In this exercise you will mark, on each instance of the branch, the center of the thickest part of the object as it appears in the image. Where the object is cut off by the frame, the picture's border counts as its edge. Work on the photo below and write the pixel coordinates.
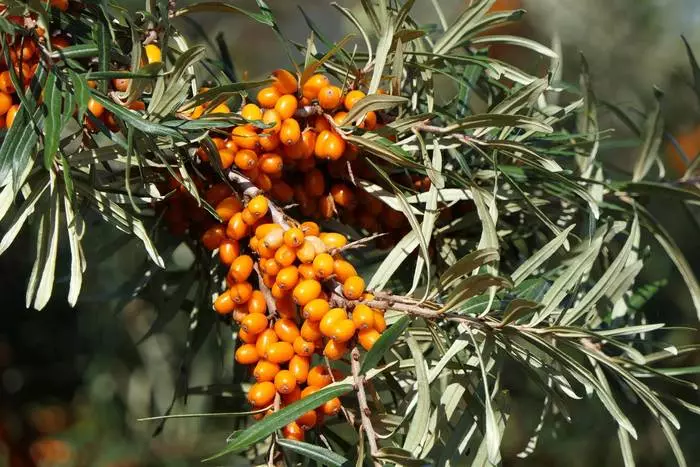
(359, 381)
(357, 243)
(269, 299)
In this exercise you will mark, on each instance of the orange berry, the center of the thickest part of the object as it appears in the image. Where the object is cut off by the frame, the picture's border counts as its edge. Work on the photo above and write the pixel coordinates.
(293, 237)
(241, 292)
(246, 354)
(239, 313)
(237, 229)
(305, 291)
(5, 103)
(245, 159)
(308, 390)
(292, 397)
(60, 4)
(308, 143)
(229, 251)
(343, 330)
(269, 142)
(310, 228)
(213, 236)
(285, 382)
(293, 431)
(286, 106)
(223, 304)
(153, 53)
(319, 376)
(270, 266)
(257, 303)
(254, 323)
(265, 370)
(282, 192)
(306, 252)
(343, 195)
(370, 121)
(241, 268)
(247, 337)
(353, 287)
(335, 350)
(248, 217)
(306, 271)
(314, 184)
(334, 146)
(227, 207)
(320, 124)
(379, 321)
(95, 108)
(338, 117)
(313, 85)
(343, 270)
(329, 97)
(290, 132)
(331, 407)
(258, 206)
(307, 420)
(323, 266)
(272, 236)
(285, 82)
(217, 193)
(303, 347)
(330, 319)
(367, 338)
(6, 85)
(251, 112)
(271, 163)
(299, 366)
(316, 309)
(363, 317)
(287, 278)
(326, 207)
(261, 394)
(245, 137)
(277, 292)
(267, 97)
(333, 240)
(226, 157)
(279, 352)
(352, 98)
(285, 255)
(272, 117)
(264, 340)
(11, 114)
(310, 331)
(286, 330)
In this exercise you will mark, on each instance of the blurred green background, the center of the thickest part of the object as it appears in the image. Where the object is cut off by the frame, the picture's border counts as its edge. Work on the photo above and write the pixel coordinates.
(73, 382)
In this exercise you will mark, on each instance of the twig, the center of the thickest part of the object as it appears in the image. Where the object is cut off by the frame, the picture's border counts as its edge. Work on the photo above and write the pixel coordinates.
(348, 415)
(362, 401)
(269, 299)
(271, 458)
(357, 243)
(308, 111)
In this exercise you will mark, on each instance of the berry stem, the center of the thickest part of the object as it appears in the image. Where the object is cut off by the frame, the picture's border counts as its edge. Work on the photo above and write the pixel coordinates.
(362, 401)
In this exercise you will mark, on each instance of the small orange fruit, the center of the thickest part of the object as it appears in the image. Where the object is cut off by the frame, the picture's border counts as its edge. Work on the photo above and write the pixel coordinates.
(261, 394)
(245, 159)
(343, 330)
(367, 338)
(286, 330)
(285, 382)
(254, 323)
(246, 354)
(379, 321)
(290, 132)
(241, 268)
(353, 287)
(319, 376)
(305, 291)
(307, 420)
(267, 97)
(213, 236)
(313, 85)
(286, 106)
(303, 347)
(363, 316)
(299, 366)
(333, 240)
(323, 266)
(329, 97)
(335, 350)
(293, 237)
(330, 319)
(257, 303)
(331, 407)
(352, 98)
(285, 82)
(310, 331)
(265, 339)
(293, 431)
(316, 309)
(245, 137)
(251, 112)
(246, 337)
(223, 304)
(279, 352)
(287, 278)
(227, 207)
(265, 371)
(258, 206)
(229, 251)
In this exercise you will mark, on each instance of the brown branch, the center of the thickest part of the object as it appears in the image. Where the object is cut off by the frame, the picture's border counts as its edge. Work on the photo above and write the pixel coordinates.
(271, 458)
(359, 381)
(269, 299)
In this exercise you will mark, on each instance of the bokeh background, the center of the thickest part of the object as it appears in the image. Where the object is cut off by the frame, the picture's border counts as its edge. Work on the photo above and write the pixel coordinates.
(74, 382)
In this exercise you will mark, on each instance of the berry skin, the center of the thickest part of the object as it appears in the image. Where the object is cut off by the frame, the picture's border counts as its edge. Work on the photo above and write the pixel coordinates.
(343, 195)
(286, 106)
(314, 184)
(316, 309)
(333, 240)
(241, 292)
(319, 376)
(285, 256)
(264, 340)
(153, 53)
(307, 420)
(363, 317)
(227, 207)
(254, 323)
(258, 206)
(352, 98)
(367, 338)
(257, 303)
(5, 103)
(245, 137)
(299, 366)
(306, 271)
(285, 382)
(245, 159)
(331, 407)
(335, 350)
(379, 321)
(268, 97)
(329, 97)
(323, 266)
(271, 163)
(223, 304)
(279, 352)
(271, 117)
(288, 278)
(229, 250)
(343, 270)
(290, 132)
(313, 85)
(330, 319)
(236, 229)
(251, 112)
(343, 330)
(247, 355)
(261, 394)
(353, 287)
(308, 390)
(241, 268)
(212, 237)
(303, 347)
(306, 252)
(285, 82)
(265, 371)
(247, 337)
(305, 291)
(293, 431)
(311, 331)
(292, 397)
(227, 158)
(286, 330)
(310, 228)
(11, 114)
(293, 238)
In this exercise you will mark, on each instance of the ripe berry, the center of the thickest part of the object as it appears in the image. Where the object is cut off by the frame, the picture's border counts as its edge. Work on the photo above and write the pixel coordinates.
(313, 85)
(258, 206)
(265, 371)
(314, 184)
(367, 338)
(245, 159)
(323, 266)
(285, 255)
(306, 271)
(331, 407)
(245, 137)
(153, 53)
(272, 117)
(299, 366)
(343, 195)
(11, 114)
(216, 193)
(5, 103)
(379, 321)
(246, 354)
(308, 390)
(311, 331)
(247, 337)
(335, 350)
(352, 98)
(213, 236)
(303, 347)
(363, 317)
(293, 431)
(286, 106)
(261, 394)
(330, 319)
(269, 142)
(251, 112)
(241, 268)
(286, 330)
(279, 352)
(353, 287)
(223, 304)
(267, 97)
(333, 240)
(285, 382)
(254, 323)
(319, 376)
(287, 278)
(293, 237)
(285, 82)
(310, 228)
(257, 303)
(343, 330)
(306, 252)
(227, 207)
(290, 132)
(329, 97)
(307, 420)
(305, 291)
(316, 309)
(236, 229)
(292, 397)
(264, 340)
(229, 251)
(271, 163)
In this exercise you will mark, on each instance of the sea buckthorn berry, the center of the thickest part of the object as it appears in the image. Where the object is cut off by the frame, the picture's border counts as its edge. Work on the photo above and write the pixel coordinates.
(285, 82)
(227, 207)
(265, 339)
(293, 431)
(323, 266)
(282, 192)
(278, 292)
(290, 132)
(265, 371)
(241, 292)
(287, 278)
(6, 85)
(221, 109)
(285, 382)
(335, 350)
(254, 323)
(329, 97)
(239, 313)
(299, 366)
(265, 228)
(257, 303)
(286, 106)
(308, 390)
(285, 255)
(343, 195)
(95, 108)
(270, 266)
(197, 112)
(331, 407)
(326, 207)
(319, 376)
(308, 142)
(319, 246)
(272, 117)
(369, 122)
(269, 142)
(334, 147)
(271, 163)
(264, 181)
(343, 330)
(227, 158)
(353, 287)
(367, 338)
(314, 184)
(258, 206)
(229, 250)
(313, 85)
(153, 53)
(330, 319)
(352, 98)
(245, 159)
(363, 316)
(303, 347)
(251, 112)
(241, 268)
(247, 337)
(286, 330)
(247, 355)
(305, 291)
(308, 420)
(223, 304)
(248, 217)
(245, 137)
(5, 103)
(339, 117)
(306, 252)
(316, 309)
(310, 228)
(261, 394)
(267, 97)
(279, 352)
(379, 321)
(333, 240)
(306, 271)
(294, 237)
(292, 397)
(236, 229)
(264, 251)
(310, 331)
(213, 236)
